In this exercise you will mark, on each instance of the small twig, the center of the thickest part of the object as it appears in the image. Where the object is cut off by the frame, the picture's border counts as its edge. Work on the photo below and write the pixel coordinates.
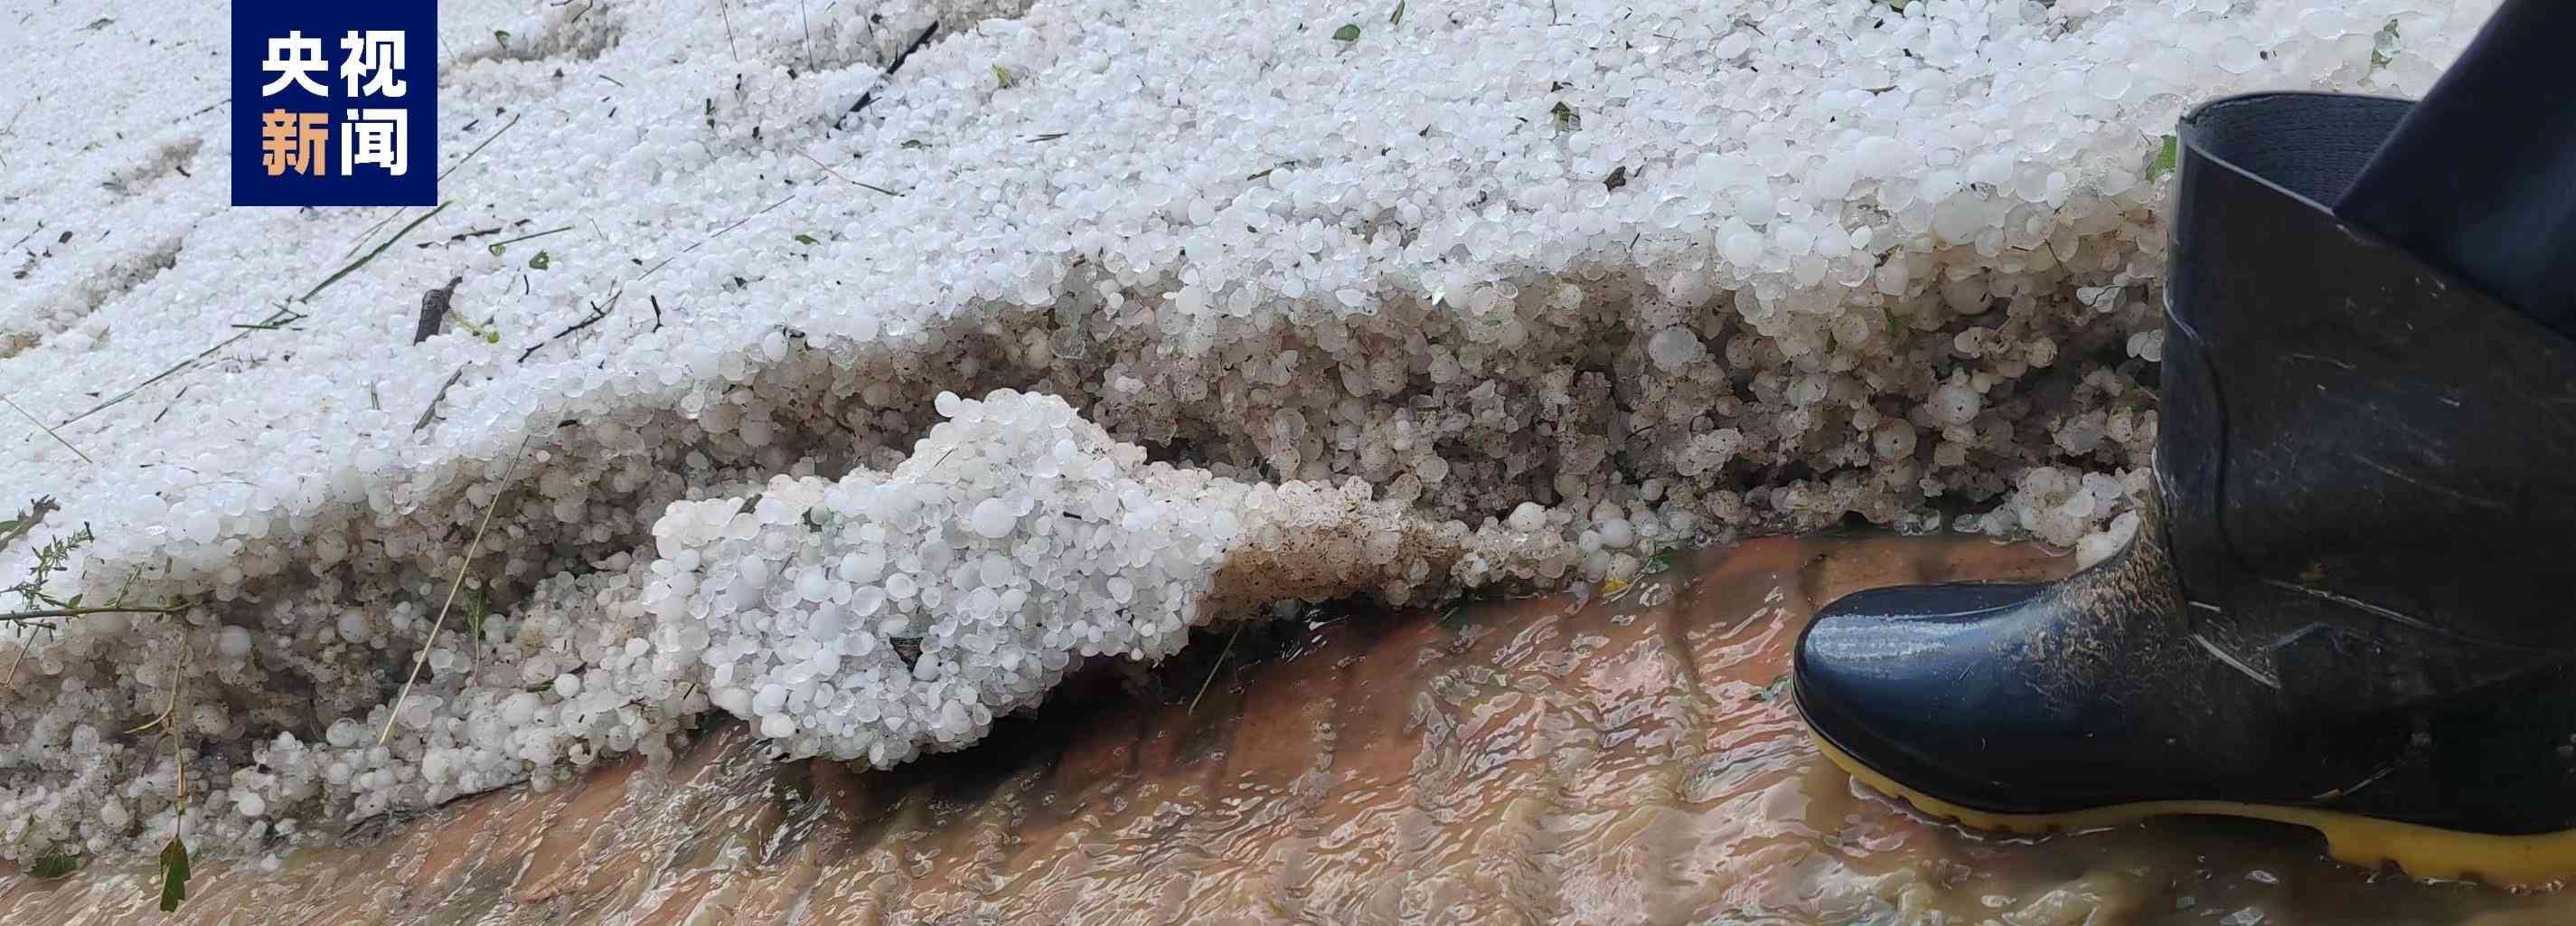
(471, 547)
(478, 149)
(1212, 670)
(432, 410)
(460, 236)
(49, 432)
(284, 316)
(21, 655)
(29, 616)
(684, 252)
(657, 310)
(827, 168)
(891, 67)
(170, 706)
(173, 403)
(17, 617)
(596, 313)
(22, 239)
(934, 464)
(371, 255)
(174, 871)
(178, 689)
(725, 10)
(27, 520)
(360, 240)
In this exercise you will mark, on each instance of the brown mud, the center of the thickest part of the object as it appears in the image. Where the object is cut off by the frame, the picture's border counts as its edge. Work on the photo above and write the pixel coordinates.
(1633, 759)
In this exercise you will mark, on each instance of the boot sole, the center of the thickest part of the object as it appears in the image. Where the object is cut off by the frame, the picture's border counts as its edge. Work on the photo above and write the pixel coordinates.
(2541, 860)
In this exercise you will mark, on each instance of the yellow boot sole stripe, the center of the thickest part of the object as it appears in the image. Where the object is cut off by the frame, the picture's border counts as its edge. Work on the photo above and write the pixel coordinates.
(2541, 860)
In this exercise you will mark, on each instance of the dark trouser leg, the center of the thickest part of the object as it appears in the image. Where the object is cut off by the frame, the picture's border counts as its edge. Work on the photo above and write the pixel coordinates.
(2480, 178)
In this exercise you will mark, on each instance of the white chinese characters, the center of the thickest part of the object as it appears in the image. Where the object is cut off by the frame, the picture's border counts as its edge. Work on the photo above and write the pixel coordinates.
(376, 136)
(294, 59)
(374, 56)
(298, 142)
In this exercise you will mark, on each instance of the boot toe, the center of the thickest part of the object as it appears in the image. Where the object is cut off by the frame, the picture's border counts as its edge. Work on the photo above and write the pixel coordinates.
(1914, 682)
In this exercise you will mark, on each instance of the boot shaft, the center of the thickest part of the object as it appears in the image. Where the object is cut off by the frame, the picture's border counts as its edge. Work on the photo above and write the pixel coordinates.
(2367, 464)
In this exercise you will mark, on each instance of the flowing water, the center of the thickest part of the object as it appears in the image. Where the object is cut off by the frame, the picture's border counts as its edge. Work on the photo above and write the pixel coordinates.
(1633, 759)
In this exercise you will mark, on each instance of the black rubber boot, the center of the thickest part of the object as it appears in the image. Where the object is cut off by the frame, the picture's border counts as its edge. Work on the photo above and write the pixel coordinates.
(2348, 607)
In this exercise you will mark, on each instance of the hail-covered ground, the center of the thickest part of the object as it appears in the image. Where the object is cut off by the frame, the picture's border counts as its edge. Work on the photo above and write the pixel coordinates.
(1098, 320)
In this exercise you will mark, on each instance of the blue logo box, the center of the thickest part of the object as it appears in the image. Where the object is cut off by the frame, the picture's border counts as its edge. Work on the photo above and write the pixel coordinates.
(335, 103)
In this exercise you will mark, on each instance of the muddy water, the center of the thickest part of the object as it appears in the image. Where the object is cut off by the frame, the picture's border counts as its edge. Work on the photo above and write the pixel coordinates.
(1627, 760)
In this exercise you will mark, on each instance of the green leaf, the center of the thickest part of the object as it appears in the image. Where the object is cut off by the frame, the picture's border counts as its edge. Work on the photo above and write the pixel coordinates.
(1772, 692)
(541, 261)
(174, 874)
(1566, 119)
(805, 239)
(912, 143)
(1660, 563)
(1398, 18)
(57, 865)
(1349, 32)
(2164, 162)
(475, 611)
(1895, 329)
(501, 37)
(1003, 76)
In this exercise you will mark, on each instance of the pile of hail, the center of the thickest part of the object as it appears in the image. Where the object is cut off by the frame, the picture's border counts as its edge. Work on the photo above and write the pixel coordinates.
(1246, 303)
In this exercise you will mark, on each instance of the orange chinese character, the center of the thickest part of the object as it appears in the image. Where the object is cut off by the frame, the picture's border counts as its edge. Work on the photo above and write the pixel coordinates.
(300, 142)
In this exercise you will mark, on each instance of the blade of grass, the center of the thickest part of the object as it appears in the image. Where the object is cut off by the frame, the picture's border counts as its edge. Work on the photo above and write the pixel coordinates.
(371, 255)
(432, 410)
(471, 547)
(478, 149)
(49, 432)
(737, 223)
(442, 175)
(174, 857)
(21, 655)
(827, 168)
(361, 240)
(495, 247)
(172, 371)
(1213, 670)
